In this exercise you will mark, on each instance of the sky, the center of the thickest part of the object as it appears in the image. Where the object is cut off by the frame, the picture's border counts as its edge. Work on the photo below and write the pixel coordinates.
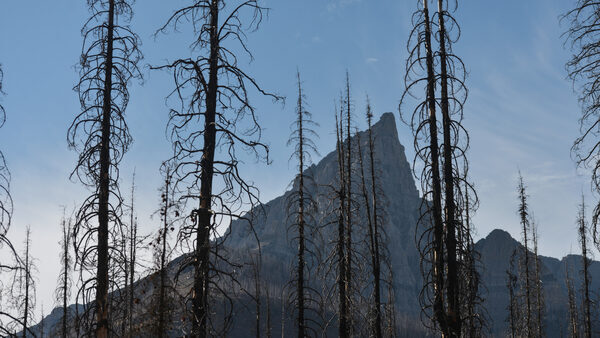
(521, 113)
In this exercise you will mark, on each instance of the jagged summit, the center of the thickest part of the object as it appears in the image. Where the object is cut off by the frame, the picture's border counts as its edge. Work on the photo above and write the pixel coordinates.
(401, 208)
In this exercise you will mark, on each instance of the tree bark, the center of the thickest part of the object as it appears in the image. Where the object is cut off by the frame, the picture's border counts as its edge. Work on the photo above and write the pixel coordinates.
(201, 280)
(438, 254)
(102, 307)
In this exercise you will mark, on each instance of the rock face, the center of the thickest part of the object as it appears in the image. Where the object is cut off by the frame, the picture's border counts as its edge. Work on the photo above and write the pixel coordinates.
(400, 204)
(401, 211)
(496, 251)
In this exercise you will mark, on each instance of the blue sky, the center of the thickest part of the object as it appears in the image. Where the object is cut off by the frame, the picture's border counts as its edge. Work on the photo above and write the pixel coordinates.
(521, 112)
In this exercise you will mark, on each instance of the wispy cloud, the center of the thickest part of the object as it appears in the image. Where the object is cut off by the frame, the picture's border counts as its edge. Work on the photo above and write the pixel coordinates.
(372, 60)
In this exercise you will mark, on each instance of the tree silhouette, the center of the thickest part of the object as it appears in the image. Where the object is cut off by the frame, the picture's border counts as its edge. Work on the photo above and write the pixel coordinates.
(582, 230)
(423, 122)
(443, 237)
(583, 68)
(300, 210)
(63, 291)
(572, 301)
(99, 133)
(526, 277)
(514, 308)
(370, 199)
(24, 287)
(207, 128)
(540, 304)
(164, 296)
(340, 241)
(11, 262)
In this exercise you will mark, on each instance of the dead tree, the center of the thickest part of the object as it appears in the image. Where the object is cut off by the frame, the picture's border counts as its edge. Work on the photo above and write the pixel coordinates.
(99, 133)
(540, 304)
(6, 204)
(348, 263)
(572, 300)
(473, 314)
(340, 242)
(300, 210)
(441, 237)
(42, 323)
(347, 102)
(24, 286)
(63, 291)
(582, 229)
(526, 277)
(11, 263)
(513, 303)
(423, 122)
(371, 210)
(214, 113)
(132, 242)
(583, 68)
(164, 296)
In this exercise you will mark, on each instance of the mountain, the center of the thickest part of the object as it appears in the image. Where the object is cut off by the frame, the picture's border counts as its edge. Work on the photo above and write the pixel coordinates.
(401, 211)
(496, 251)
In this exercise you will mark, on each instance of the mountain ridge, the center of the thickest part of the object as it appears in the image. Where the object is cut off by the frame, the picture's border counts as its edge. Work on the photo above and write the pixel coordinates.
(401, 205)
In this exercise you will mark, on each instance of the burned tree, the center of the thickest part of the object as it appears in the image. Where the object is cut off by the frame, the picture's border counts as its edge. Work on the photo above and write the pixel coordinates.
(213, 119)
(572, 301)
(423, 122)
(525, 263)
(370, 200)
(164, 296)
(340, 241)
(300, 210)
(6, 204)
(513, 302)
(23, 288)
(583, 68)
(99, 133)
(347, 109)
(130, 242)
(540, 304)
(582, 229)
(11, 263)
(442, 238)
(63, 290)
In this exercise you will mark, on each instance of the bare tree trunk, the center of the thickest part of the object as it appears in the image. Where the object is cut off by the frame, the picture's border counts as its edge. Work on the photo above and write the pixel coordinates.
(201, 278)
(27, 271)
(102, 309)
(573, 315)
(133, 242)
(372, 226)
(65, 278)
(301, 223)
(583, 231)
(341, 244)
(454, 320)
(438, 251)
(539, 291)
(349, 305)
(524, 215)
(163, 259)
